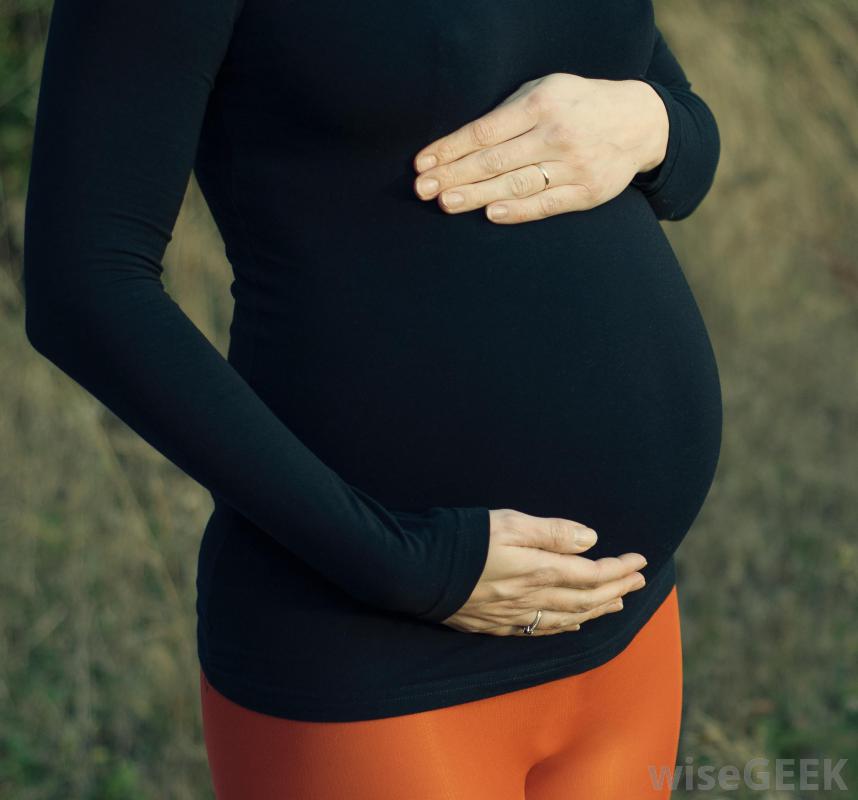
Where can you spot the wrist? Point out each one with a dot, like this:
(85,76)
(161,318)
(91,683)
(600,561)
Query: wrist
(655,126)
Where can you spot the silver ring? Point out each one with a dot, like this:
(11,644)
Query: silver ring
(544,175)
(529,629)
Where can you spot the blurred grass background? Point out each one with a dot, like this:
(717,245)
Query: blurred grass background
(99,533)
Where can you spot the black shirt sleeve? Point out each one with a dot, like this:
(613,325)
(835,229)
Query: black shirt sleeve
(678,185)
(123,94)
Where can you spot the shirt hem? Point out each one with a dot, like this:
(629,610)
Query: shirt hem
(274,701)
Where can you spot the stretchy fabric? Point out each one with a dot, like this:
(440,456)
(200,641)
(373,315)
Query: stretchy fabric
(393,371)
(607,733)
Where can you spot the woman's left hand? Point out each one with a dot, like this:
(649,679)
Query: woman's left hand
(591,136)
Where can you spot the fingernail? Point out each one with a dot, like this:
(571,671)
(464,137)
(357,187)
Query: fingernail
(426,162)
(452,199)
(427,185)
(639,583)
(497,212)
(585,536)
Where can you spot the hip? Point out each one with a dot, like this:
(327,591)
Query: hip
(559,736)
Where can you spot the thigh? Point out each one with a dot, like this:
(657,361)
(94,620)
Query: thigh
(623,721)
(454,753)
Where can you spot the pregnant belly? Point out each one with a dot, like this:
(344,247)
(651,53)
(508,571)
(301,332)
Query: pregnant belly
(559,367)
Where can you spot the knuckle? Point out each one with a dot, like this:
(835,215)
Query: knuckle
(482,132)
(545,625)
(561,135)
(543,576)
(444,152)
(548,204)
(611,605)
(508,519)
(537,102)
(597,574)
(587,601)
(635,581)
(503,592)
(520,183)
(578,161)
(492,160)
(568,623)
(595,611)
(507,527)
(518,602)
(556,533)
(446,176)
(557,79)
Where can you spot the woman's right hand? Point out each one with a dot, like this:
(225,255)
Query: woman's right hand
(533,563)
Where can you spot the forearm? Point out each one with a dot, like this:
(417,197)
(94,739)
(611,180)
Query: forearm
(108,174)
(132,347)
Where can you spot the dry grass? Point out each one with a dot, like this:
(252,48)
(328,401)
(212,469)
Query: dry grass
(99,533)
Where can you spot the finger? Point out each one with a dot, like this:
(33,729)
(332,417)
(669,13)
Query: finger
(482,164)
(554,200)
(518,630)
(551,618)
(553,622)
(503,122)
(574,600)
(583,572)
(554,534)
(521,182)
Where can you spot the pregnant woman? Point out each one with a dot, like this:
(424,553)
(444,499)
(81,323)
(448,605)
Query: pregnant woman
(469,399)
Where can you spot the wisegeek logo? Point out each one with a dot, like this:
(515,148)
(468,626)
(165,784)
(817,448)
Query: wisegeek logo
(782,774)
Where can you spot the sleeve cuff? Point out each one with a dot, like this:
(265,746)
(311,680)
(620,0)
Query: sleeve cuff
(469,554)
(653,181)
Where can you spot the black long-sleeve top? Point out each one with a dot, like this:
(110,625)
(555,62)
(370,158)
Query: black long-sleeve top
(393,371)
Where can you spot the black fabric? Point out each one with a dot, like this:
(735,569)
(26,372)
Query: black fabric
(394,371)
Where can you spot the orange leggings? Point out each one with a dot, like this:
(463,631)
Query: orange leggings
(597,735)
